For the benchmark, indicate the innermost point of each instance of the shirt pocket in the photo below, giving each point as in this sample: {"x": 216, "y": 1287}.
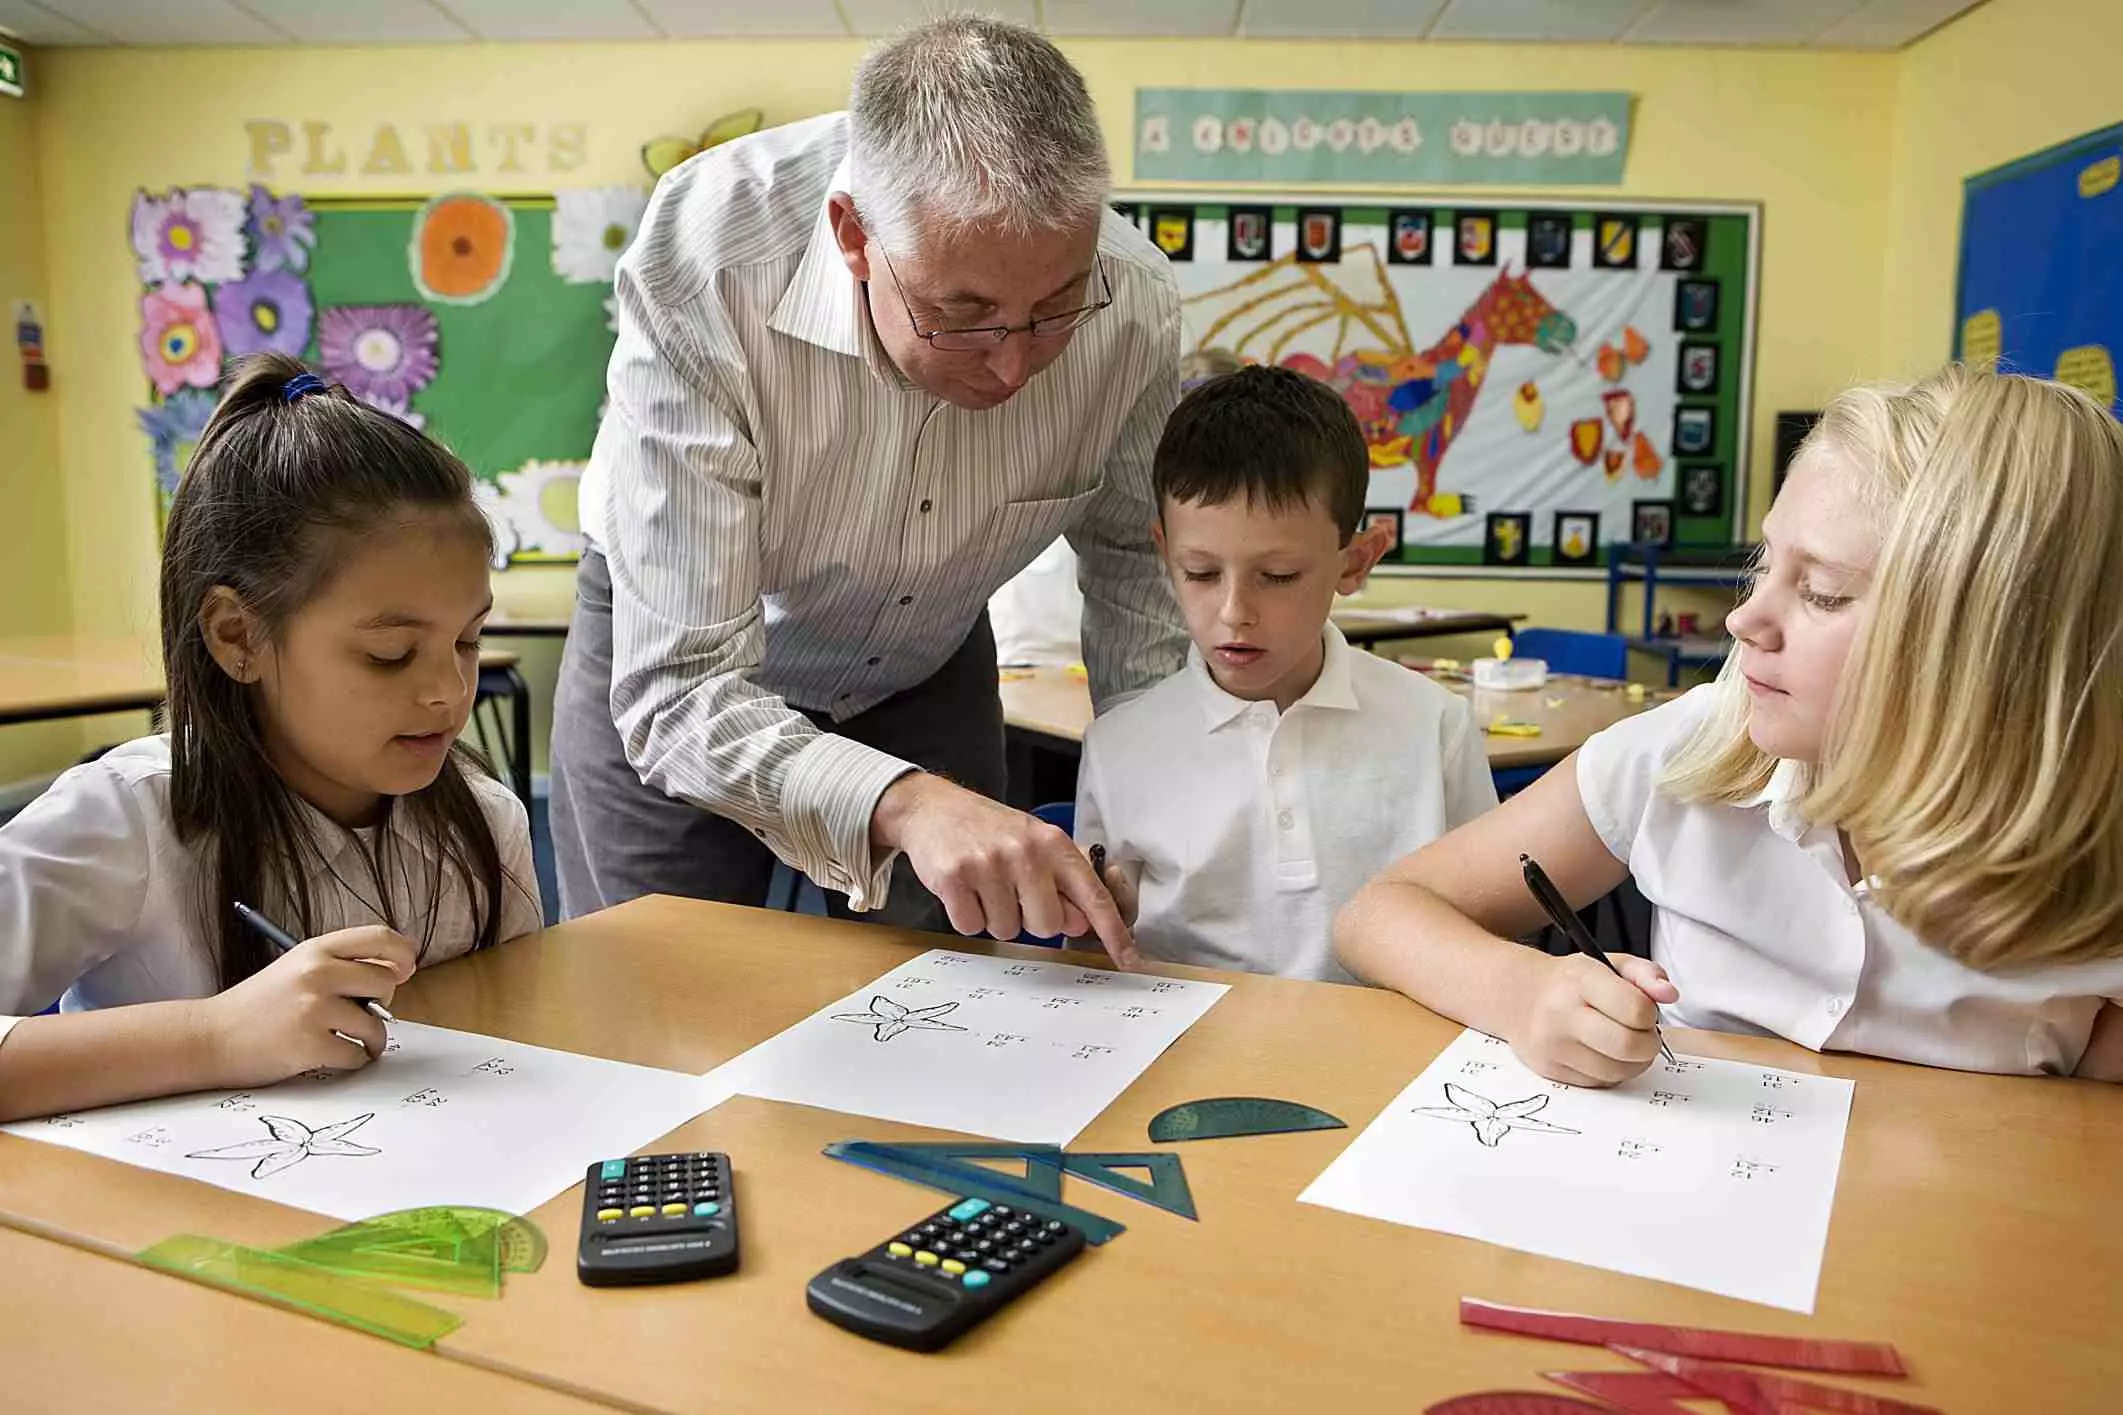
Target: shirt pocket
{"x": 1020, "y": 530}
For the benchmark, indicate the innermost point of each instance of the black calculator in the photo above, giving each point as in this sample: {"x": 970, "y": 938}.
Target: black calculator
{"x": 922, "y": 1288}
{"x": 657, "y": 1218}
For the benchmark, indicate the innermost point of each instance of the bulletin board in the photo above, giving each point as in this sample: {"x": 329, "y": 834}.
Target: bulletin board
{"x": 1535, "y": 381}
{"x": 484, "y": 320}
{"x": 2040, "y": 289}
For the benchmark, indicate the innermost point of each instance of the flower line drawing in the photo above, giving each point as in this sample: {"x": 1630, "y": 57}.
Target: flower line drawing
{"x": 1490, "y": 1119}
{"x": 891, "y": 1018}
{"x": 292, "y": 1142}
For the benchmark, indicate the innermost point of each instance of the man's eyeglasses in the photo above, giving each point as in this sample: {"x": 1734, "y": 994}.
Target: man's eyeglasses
{"x": 965, "y": 341}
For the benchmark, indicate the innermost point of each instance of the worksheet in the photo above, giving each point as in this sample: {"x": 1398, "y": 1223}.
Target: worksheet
{"x": 1015, "y": 1050}
{"x": 1717, "y": 1175}
{"x": 442, "y": 1117}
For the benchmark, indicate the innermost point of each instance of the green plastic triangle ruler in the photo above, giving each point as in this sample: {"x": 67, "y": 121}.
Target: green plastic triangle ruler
{"x": 1227, "y": 1116}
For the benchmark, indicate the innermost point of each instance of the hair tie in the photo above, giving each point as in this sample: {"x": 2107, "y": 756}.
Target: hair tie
{"x": 300, "y": 385}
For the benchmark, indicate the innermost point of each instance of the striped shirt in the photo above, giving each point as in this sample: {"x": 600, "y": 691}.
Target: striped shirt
{"x": 788, "y": 521}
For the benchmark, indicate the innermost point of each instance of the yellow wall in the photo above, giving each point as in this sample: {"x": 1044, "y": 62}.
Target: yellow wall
{"x": 1807, "y": 135}
{"x": 2009, "y": 78}
{"x": 36, "y": 594}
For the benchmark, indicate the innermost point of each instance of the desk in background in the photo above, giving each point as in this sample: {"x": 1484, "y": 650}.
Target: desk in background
{"x": 1957, "y": 1195}
{"x": 44, "y": 679}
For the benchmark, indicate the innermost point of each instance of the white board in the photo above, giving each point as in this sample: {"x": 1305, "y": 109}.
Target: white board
{"x": 1712, "y": 1174}
{"x": 1022, "y": 1051}
{"x": 442, "y": 1117}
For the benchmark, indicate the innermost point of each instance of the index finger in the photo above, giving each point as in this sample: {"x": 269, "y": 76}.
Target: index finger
{"x": 384, "y": 947}
{"x": 1087, "y": 892}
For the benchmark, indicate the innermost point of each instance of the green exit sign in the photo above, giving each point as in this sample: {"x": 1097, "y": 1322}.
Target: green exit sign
{"x": 10, "y": 71}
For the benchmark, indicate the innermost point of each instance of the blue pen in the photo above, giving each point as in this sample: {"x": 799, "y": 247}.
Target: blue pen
{"x": 283, "y": 941}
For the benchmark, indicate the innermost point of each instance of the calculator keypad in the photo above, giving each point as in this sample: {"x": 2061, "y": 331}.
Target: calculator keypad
{"x": 975, "y": 1242}
{"x": 653, "y": 1191}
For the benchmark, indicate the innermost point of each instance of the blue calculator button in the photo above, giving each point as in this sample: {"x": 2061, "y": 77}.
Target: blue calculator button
{"x": 975, "y": 1279}
{"x": 706, "y": 1210}
{"x": 969, "y": 1208}
{"x": 614, "y": 1169}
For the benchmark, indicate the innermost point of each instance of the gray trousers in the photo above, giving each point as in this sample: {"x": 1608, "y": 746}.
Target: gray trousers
{"x": 615, "y": 839}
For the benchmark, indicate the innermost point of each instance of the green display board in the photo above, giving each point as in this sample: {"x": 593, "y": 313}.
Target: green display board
{"x": 522, "y": 372}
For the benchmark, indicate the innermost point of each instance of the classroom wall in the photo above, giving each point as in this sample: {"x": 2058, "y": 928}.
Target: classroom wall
{"x": 1806, "y": 134}
{"x": 2006, "y": 79}
{"x": 36, "y": 592}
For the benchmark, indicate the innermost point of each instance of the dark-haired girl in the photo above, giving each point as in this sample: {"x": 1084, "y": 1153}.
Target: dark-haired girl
{"x": 324, "y": 583}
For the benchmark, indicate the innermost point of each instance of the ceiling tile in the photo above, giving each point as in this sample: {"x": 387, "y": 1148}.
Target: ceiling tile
{"x": 1727, "y": 22}
{"x": 169, "y": 21}
{"x": 881, "y": 17}
{"x": 1143, "y": 17}
{"x": 1338, "y": 19}
{"x": 34, "y": 24}
{"x": 698, "y": 19}
{"x": 550, "y": 19}
{"x": 1890, "y": 24}
{"x": 369, "y": 22}
{"x": 1553, "y": 21}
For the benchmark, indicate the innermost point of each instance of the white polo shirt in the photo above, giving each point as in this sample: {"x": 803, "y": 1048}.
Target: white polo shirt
{"x": 1759, "y": 927}
{"x": 101, "y": 903}
{"x": 1252, "y": 827}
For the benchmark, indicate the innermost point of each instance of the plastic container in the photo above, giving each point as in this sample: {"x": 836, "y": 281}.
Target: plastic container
{"x": 1510, "y": 675}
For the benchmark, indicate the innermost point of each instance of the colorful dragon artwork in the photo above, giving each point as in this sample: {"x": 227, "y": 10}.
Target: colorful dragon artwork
{"x": 1411, "y": 404}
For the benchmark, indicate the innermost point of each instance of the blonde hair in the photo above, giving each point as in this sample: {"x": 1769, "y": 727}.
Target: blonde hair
{"x": 1974, "y": 754}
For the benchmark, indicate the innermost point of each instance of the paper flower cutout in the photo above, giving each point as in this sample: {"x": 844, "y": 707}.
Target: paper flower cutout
{"x": 592, "y": 227}
{"x": 462, "y": 247}
{"x": 282, "y": 230}
{"x": 173, "y": 428}
{"x": 179, "y": 344}
{"x": 380, "y": 352}
{"x": 188, "y": 235}
{"x": 268, "y": 311}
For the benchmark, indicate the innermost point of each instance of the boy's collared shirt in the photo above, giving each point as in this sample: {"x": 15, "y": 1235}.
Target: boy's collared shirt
{"x": 1758, "y": 925}
{"x": 1250, "y": 827}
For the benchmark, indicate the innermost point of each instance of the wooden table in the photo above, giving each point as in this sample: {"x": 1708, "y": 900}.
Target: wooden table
{"x": 60, "y": 676}
{"x": 1053, "y": 706}
{"x": 1974, "y": 1222}
{"x": 42, "y": 679}
{"x": 136, "y": 1340}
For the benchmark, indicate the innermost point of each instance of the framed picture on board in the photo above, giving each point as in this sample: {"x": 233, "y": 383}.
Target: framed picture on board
{"x": 1577, "y": 537}
{"x": 1509, "y": 540}
{"x": 1392, "y": 518}
{"x": 1651, "y": 523}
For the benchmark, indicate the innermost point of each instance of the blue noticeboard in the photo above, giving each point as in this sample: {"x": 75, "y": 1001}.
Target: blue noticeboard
{"x": 2041, "y": 282}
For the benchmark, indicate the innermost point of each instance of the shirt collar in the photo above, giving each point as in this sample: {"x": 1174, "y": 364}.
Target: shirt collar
{"x": 1787, "y": 783}
{"x": 1335, "y": 687}
{"x": 825, "y": 305}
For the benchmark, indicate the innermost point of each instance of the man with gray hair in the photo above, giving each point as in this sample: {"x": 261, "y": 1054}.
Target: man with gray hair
{"x": 868, "y": 366}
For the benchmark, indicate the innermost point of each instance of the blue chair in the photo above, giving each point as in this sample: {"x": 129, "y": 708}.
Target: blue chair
{"x": 1575, "y": 651}
{"x": 1062, "y": 816}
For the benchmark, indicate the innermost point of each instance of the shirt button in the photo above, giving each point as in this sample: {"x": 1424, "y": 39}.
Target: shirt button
{"x": 906, "y": 599}
{"x": 1275, "y": 770}
{"x": 1285, "y": 820}
{"x": 925, "y": 505}
{"x": 873, "y": 661}
{"x": 1835, "y": 1007}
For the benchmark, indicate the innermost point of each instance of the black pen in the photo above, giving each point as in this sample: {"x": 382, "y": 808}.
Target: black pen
{"x": 1560, "y": 913}
{"x": 282, "y": 941}
{"x": 1098, "y": 862}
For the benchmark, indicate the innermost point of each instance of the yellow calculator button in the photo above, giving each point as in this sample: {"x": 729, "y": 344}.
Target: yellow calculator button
{"x": 642, "y": 1211}
{"x": 607, "y": 1215}
{"x": 926, "y": 1259}
{"x": 899, "y": 1250}
{"x": 674, "y": 1210}
{"x": 953, "y": 1266}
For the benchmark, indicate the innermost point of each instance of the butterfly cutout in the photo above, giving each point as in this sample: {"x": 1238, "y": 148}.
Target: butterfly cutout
{"x": 660, "y": 155}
